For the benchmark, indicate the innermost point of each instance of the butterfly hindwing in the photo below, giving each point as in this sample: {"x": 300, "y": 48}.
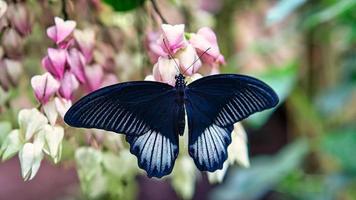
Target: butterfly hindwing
{"x": 144, "y": 111}
{"x": 213, "y": 105}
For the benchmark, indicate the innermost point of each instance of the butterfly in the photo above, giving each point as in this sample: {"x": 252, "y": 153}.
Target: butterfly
{"x": 152, "y": 116}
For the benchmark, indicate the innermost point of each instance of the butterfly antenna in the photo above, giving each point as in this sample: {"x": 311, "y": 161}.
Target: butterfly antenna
{"x": 196, "y": 60}
{"x": 170, "y": 55}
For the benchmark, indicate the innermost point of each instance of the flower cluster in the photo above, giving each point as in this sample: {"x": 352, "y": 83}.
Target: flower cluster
{"x": 15, "y": 25}
{"x": 190, "y": 51}
{"x": 34, "y": 138}
{"x": 68, "y": 66}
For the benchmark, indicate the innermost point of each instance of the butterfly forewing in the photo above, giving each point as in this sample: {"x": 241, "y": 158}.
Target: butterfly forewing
{"x": 213, "y": 105}
{"x": 144, "y": 111}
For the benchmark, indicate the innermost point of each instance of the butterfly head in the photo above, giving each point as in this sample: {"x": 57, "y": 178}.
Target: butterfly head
{"x": 180, "y": 80}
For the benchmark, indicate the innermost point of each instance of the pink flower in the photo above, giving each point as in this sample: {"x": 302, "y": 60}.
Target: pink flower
{"x": 186, "y": 58}
{"x": 44, "y": 87}
{"x": 76, "y": 61}
{"x": 55, "y": 62}
{"x": 68, "y": 84}
{"x": 94, "y": 76}
{"x": 204, "y": 39}
{"x": 172, "y": 38}
{"x": 165, "y": 70}
{"x": 86, "y": 41}
{"x": 61, "y": 31}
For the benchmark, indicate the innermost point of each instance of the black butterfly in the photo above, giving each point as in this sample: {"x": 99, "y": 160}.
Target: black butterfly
{"x": 152, "y": 115}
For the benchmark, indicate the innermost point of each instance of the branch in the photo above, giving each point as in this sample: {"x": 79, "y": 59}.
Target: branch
{"x": 155, "y": 7}
{"x": 64, "y": 11}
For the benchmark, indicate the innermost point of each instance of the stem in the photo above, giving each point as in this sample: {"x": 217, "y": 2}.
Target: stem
{"x": 155, "y": 7}
{"x": 64, "y": 11}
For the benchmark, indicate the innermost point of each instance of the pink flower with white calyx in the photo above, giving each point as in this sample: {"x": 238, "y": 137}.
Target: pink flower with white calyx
{"x": 86, "y": 42}
{"x": 172, "y": 38}
{"x": 62, "y": 30}
{"x": 165, "y": 70}
{"x": 55, "y": 62}
{"x": 189, "y": 61}
{"x": 76, "y": 61}
{"x": 68, "y": 84}
{"x": 205, "y": 39}
{"x": 44, "y": 86}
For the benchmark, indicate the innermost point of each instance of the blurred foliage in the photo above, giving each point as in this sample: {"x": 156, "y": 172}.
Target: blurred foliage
{"x": 264, "y": 174}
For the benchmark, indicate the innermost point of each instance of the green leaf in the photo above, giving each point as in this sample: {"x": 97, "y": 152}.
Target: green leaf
{"x": 124, "y": 5}
{"x": 265, "y": 173}
{"x": 329, "y": 13}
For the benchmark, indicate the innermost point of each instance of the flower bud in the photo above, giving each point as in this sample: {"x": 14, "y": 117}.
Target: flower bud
{"x": 86, "y": 41}
{"x": 30, "y": 157}
{"x": 76, "y": 62}
{"x": 30, "y": 122}
{"x": 68, "y": 84}
{"x": 62, "y": 30}
{"x": 53, "y": 141}
{"x": 50, "y": 110}
{"x": 12, "y": 43}
{"x": 55, "y": 62}
{"x": 44, "y": 86}
{"x": 20, "y": 18}
{"x": 237, "y": 150}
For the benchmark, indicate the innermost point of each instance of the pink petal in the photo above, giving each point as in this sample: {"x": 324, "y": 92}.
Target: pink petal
{"x": 86, "y": 42}
{"x": 52, "y": 33}
{"x": 208, "y": 34}
{"x": 68, "y": 84}
{"x": 94, "y": 76}
{"x": 44, "y": 87}
{"x": 57, "y": 57}
{"x": 76, "y": 62}
{"x": 172, "y": 38}
{"x": 63, "y": 29}
{"x": 47, "y": 65}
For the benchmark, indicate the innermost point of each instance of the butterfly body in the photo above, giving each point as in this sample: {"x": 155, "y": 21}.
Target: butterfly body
{"x": 152, "y": 116}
